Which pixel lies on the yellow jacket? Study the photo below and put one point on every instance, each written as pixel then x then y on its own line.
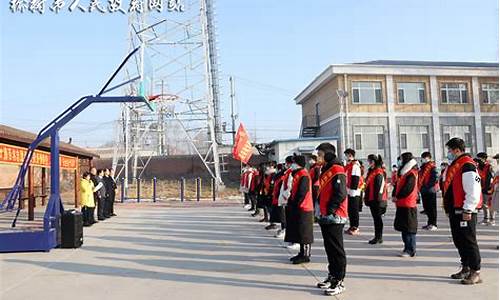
pixel 87 193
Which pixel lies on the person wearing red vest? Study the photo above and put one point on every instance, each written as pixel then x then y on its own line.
pixel 428 184
pixel 494 195
pixel 284 195
pixel 277 211
pixel 394 175
pixel 243 184
pixel 300 211
pixel 376 195
pixel 462 199
pixel 405 196
pixel 258 184
pixel 314 173
pixel 252 182
pixel 444 165
pixel 266 192
pixel 486 173
pixel 354 184
pixel 333 217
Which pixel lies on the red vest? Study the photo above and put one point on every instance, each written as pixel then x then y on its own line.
pixel 424 174
pixel 454 179
pixel 370 184
pixel 348 171
pixel 266 187
pixel 326 190
pixel 307 204
pixel 394 178
pixel 314 170
pixel 409 201
pixel 276 189
pixel 255 181
pixel 483 173
pixel 244 177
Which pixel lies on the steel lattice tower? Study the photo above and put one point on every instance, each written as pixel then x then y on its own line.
pixel 180 57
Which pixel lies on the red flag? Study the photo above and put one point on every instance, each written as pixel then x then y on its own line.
pixel 242 149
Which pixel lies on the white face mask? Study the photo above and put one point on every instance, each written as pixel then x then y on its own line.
pixel 294 166
pixel 311 162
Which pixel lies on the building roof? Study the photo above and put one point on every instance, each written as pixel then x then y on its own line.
pixel 430 63
pixel 24 138
pixel 400 67
pixel 305 139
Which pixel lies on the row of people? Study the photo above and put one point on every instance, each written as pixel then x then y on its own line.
pixel 97 189
pixel 333 194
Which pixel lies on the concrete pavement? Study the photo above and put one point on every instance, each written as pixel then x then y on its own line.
pixel 201 252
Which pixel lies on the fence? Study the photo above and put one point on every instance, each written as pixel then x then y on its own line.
pixel 183 189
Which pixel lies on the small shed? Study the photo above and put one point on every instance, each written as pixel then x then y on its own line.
pixel 73 161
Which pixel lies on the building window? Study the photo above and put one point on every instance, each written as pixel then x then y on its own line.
pixel 411 92
pixel 414 139
pixel 489 93
pixel 491 139
pixel 369 140
pixel 404 141
pixel 454 93
pixel 462 132
pixel 357 140
pixel 366 92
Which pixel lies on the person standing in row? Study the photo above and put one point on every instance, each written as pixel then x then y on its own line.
pixel 486 173
pixel 462 199
pixel 98 185
pixel 494 195
pixel 87 199
pixel 428 183
pixel 278 211
pixel 314 173
pixel 267 191
pixel 300 211
pixel 110 187
pixel 243 186
pixel 284 196
pixel 252 182
pixel 333 217
pixel 354 184
pixel 394 175
pixel 376 195
pixel 405 196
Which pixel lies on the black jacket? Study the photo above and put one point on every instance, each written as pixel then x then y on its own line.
pixel 429 186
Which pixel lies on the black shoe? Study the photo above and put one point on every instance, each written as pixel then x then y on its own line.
pixel 336 288
pixel 301 260
pixel 462 274
pixel 94 222
pixel 250 209
pixel 87 224
pixel 271 227
pixel 255 214
pixel 295 257
pixel 114 215
pixel 101 219
pixel 422 212
pixel 326 283
pixel 375 241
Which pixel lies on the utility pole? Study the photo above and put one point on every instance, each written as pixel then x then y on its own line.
pixel 233 116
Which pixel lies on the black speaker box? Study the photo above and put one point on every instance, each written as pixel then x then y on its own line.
pixel 71 229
